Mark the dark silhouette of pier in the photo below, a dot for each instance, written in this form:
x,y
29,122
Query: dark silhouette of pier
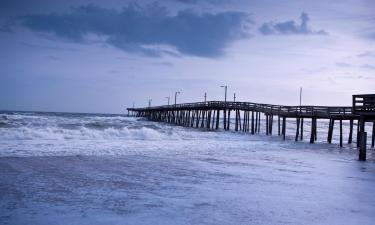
x,y
207,115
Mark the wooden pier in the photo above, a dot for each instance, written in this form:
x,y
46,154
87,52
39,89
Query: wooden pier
x,y
207,115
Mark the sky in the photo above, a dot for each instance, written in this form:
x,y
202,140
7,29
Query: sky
x,y
103,56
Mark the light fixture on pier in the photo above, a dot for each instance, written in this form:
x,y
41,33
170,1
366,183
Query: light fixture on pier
x,y
226,87
300,99
175,96
168,99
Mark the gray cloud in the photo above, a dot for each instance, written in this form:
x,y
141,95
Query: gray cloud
x,y
202,1
168,64
363,66
367,66
342,64
356,77
136,28
53,58
367,54
290,27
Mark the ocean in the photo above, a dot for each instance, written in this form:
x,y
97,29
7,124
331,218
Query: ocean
x,y
71,168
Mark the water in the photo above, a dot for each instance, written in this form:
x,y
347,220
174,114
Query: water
x,y
66,168
39,134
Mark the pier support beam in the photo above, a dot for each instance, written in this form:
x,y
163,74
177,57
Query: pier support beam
x,y
217,118
198,118
373,135
340,133
362,139
271,124
259,123
228,125
245,115
284,127
252,122
248,122
194,118
203,118
208,120
236,121
297,130
225,119
301,138
313,130
239,120
330,130
358,136
350,139
256,122
362,146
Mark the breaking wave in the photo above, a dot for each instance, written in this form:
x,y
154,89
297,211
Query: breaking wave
x,y
73,127
83,133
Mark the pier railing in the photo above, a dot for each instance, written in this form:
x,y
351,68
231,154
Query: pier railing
x,y
303,111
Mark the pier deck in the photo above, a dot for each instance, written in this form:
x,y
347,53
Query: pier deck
x,y
322,112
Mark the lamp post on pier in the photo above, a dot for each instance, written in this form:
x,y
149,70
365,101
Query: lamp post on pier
x,y
225,99
175,97
168,99
149,102
300,99
205,97
234,97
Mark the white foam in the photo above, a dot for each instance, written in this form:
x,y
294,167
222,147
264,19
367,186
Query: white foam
x,y
83,133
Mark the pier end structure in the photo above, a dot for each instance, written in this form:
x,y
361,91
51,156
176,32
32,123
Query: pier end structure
x,y
364,107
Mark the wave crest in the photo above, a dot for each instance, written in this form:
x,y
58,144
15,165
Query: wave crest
x,y
83,133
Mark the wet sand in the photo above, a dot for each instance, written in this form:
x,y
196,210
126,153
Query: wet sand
x,y
253,188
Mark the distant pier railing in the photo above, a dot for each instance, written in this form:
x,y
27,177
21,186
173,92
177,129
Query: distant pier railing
x,y
292,111
206,115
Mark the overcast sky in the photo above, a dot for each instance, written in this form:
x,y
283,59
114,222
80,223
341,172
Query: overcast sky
x,y
101,56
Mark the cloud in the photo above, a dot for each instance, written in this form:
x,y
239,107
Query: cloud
x,y
290,27
367,54
168,64
53,58
363,66
367,66
356,77
150,30
342,64
202,1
